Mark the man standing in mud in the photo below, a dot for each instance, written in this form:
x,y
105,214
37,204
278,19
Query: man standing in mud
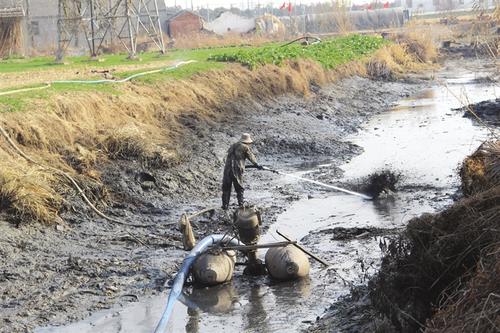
x,y
237,154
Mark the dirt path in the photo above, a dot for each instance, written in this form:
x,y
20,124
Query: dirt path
x,y
52,277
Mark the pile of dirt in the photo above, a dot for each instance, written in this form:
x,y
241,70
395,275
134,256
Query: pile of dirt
x,y
488,111
441,274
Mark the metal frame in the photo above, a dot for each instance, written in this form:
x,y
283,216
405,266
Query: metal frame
x,y
99,20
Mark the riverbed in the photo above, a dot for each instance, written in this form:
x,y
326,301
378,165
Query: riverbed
x,y
420,137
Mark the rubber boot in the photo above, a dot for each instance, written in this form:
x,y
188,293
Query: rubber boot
x,y
241,201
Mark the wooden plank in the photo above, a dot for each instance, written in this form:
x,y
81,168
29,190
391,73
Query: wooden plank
x,y
304,250
257,246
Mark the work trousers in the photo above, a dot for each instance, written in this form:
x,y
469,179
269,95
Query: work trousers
x,y
227,184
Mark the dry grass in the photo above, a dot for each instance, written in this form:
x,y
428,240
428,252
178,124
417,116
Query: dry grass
x,y
129,143
481,170
395,60
473,308
412,51
342,19
27,193
419,45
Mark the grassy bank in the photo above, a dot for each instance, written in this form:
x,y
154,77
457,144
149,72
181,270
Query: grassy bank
x,y
331,54
79,130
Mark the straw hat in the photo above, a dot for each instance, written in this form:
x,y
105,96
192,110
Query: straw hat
x,y
245,138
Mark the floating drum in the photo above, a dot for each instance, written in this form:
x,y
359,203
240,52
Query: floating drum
x,y
287,263
214,268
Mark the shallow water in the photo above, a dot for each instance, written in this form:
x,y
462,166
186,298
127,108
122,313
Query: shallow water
x,y
421,137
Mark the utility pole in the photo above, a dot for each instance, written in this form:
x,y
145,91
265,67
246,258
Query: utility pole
x,y
60,29
92,30
28,36
132,50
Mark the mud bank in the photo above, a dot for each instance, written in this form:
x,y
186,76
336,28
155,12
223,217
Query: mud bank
x,y
56,275
486,111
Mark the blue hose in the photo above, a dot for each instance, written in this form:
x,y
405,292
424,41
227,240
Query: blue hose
x,y
182,275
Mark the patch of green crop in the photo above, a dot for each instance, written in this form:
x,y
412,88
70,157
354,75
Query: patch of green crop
x,y
329,53
107,60
10,104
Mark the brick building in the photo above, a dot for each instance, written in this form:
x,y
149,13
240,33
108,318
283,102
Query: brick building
x,y
183,23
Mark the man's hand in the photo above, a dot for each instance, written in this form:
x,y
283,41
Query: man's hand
x,y
258,166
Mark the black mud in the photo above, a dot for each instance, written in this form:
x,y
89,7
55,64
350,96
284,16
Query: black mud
x,y
486,111
53,276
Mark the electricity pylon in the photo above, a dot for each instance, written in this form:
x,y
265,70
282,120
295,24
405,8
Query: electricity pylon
x,y
106,20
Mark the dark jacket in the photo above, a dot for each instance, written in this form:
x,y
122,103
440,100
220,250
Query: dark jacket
x,y
237,154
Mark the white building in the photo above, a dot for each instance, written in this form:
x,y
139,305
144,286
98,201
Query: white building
x,y
228,22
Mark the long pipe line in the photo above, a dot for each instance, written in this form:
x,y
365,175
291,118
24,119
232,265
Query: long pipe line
x,y
49,84
333,187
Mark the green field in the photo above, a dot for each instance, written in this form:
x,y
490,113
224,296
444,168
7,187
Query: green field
x,y
330,53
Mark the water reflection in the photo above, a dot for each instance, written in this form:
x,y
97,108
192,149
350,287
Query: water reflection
x,y
385,207
216,299
288,293
254,311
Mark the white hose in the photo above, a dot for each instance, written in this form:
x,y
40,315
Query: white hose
x,y
49,84
333,187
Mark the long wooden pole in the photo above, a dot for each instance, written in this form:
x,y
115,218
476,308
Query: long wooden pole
x,y
257,246
206,210
304,250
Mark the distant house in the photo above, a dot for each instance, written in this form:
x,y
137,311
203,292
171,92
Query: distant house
x,y
183,23
228,22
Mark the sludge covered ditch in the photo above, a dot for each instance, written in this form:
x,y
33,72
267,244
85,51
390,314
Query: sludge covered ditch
x,y
122,270
349,233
